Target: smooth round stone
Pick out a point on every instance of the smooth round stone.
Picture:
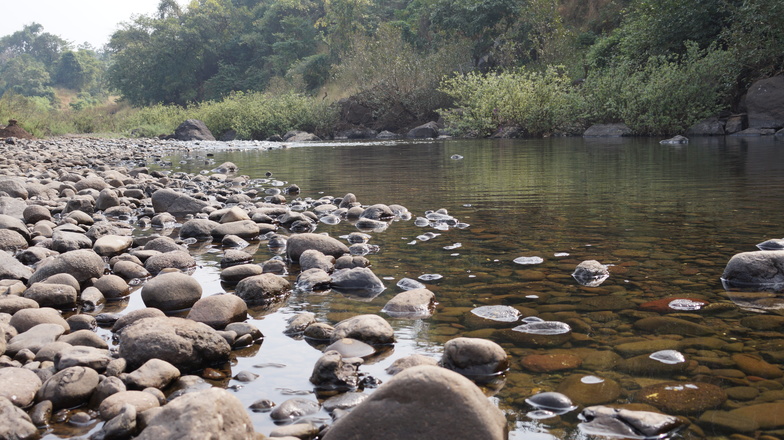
(260, 289)
(171, 291)
(112, 405)
(589, 392)
(528, 260)
(411, 304)
(295, 408)
(109, 245)
(409, 361)
(235, 274)
(81, 356)
(684, 398)
(13, 304)
(319, 331)
(371, 329)
(648, 366)
(547, 363)
(155, 373)
(299, 322)
(34, 338)
(351, 348)
(670, 305)
(69, 387)
(766, 415)
(344, 401)
(218, 311)
(496, 316)
(175, 259)
(58, 296)
(475, 358)
(87, 338)
(19, 385)
(552, 401)
(756, 366)
(112, 287)
(234, 257)
(16, 424)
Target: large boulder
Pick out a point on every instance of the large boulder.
(207, 414)
(264, 288)
(186, 344)
(755, 269)
(371, 329)
(69, 387)
(19, 385)
(193, 130)
(299, 243)
(218, 311)
(83, 264)
(15, 423)
(425, 131)
(358, 281)
(765, 103)
(176, 203)
(423, 402)
(712, 126)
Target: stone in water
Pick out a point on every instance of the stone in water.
(497, 313)
(529, 260)
(670, 357)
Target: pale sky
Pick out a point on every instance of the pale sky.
(76, 21)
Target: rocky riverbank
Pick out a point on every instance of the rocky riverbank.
(69, 212)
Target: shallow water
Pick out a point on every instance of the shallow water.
(666, 219)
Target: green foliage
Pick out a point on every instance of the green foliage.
(80, 70)
(538, 102)
(385, 71)
(24, 75)
(259, 115)
(664, 96)
(755, 36)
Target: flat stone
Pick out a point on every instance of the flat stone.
(19, 385)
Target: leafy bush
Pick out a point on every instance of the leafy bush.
(538, 102)
(258, 115)
(666, 95)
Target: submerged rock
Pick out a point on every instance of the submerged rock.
(477, 359)
(616, 422)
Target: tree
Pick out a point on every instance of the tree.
(24, 75)
(31, 40)
(78, 70)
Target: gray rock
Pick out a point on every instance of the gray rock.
(429, 130)
(108, 386)
(409, 361)
(134, 316)
(109, 245)
(91, 298)
(411, 405)
(83, 356)
(163, 244)
(70, 387)
(181, 260)
(176, 203)
(755, 269)
(299, 243)
(765, 103)
(64, 241)
(81, 321)
(379, 211)
(235, 274)
(107, 198)
(19, 385)
(15, 424)
(675, 140)
(295, 408)
(193, 130)
(171, 291)
(299, 322)
(212, 413)
(34, 338)
(614, 422)
(608, 130)
(155, 373)
(200, 229)
(11, 241)
(112, 287)
(12, 206)
(590, 273)
(25, 319)
(313, 279)
(13, 269)
(49, 352)
(334, 373)
(113, 404)
(359, 281)
(314, 259)
(12, 304)
(14, 223)
(218, 311)
(58, 296)
(83, 264)
(87, 338)
(707, 127)
(477, 359)
(411, 304)
(262, 288)
(129, 270)
(371, 329)
(186, 344)
(234, 257)
(121, 426)
(14, 187)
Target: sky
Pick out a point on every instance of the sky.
(76, 21)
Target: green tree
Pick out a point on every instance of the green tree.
(80, 70)
(34, 42)
(24, 75)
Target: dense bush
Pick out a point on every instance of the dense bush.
(665, 95)
(538, 102)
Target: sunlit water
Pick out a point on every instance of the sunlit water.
(666, 219)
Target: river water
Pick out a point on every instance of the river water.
(664, 218)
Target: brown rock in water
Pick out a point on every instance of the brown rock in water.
(546, 363)
(684, 398)
(756, 366)
(589, 390)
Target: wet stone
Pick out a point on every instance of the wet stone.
(546, 363)
(587, 390)
(294, 408)
(682, 397)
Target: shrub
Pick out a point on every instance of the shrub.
(666, 95)
(538, 102)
